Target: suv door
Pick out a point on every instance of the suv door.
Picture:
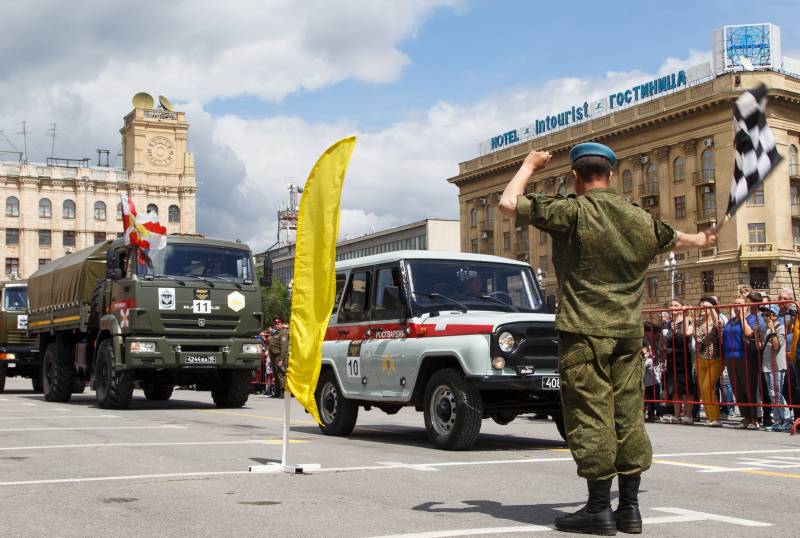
(352, 323)
(386, 339)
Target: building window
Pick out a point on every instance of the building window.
(678, 170)
(543, 263)
(652, 174)
(69, 238)
(174, 214)
(99, 237)
(757, 198)
(12, 266)
(680, 207)
(506, 241)
(45, 238)
(796, 232)
(707, 164)
(490, 244)
(709, 201)
(153, 208)
(652, 287)
(474, 246)
(68, 209)
(12, 207)
(759, 278)
(12, 236)
(680, 284)
(757, 232)
(119, 211)
(45, 208)
(489, 216)
(707, 277)
(627, 181)
(793, 164)
(473, 217)
(99, 211)
(522, 239)
(43, 262)
(542, 237)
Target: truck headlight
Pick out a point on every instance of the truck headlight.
(143, 347)
(506, 342)
(251, 348)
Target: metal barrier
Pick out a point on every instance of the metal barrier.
(693, 349)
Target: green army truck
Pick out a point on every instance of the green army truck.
(18, 353)
(187, 316)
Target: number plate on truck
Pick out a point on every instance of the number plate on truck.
(551, 383)
(199, 359)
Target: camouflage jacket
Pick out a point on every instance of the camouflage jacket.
(602, 245)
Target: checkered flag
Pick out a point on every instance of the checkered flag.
(754, 146)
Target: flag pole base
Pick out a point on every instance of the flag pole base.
(294, 468)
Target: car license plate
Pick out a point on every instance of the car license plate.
(525, 370)
(551, 383)
(199, 359)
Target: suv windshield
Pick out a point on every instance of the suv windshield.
(200, 261)
(439, 284)
(15, 299)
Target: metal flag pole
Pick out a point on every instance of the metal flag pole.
(287, 420)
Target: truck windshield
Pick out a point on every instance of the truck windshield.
(200, 261)
(15, 299)
(436, 284)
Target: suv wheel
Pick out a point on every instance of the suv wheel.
(36, 380)
(58, 373)
(337, 413)
(114, 390)
(232, 388)
(453, 410)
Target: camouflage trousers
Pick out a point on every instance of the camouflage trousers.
(602, 386)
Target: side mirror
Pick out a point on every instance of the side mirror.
(266, 278)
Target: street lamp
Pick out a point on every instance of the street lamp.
(669, 268)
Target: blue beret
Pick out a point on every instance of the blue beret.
(591, 148)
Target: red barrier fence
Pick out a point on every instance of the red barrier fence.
(729, 356)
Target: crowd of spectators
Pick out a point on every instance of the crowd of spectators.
(739, 359)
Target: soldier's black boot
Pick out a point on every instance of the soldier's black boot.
(627, 514)
(594, 518)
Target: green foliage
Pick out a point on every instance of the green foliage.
(275, 302)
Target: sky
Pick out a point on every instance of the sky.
(268, 85)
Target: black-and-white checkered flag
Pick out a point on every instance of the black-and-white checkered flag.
(754, 146)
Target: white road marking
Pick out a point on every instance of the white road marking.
(111, 445)
(113, 478)
(726, 453)
(164, 427)
(58, 417)
(772, 463)
(680, 516)
(398, 465)
(25, 404)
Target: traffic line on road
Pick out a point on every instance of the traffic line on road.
(680, 515)
(163, 427)
(145, 445)
(58, 417)
(718, 469)
(116, 478)
(250, 415)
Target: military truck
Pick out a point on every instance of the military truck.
(187, 315)
(18, 353)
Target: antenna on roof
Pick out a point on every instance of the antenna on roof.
(51, 132)
(24, 133)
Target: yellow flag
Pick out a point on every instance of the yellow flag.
(314, 284)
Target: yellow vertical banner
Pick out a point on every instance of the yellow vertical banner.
(314, 281)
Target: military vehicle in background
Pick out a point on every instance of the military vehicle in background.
(18, 353)
(187, 316)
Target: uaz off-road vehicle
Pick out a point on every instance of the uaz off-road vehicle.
(18, 353)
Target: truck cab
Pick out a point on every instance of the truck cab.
(460, 337)
(18, 353)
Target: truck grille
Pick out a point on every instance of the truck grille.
(213, 323)
(538, 349)
(16, 337)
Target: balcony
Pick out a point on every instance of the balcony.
(649, 188)
(703, 177)
(794, 171)
(707, 253)
(758, 250)
(706, 214)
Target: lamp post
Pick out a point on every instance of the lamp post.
(669, 268)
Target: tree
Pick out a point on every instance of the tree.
(275, 302)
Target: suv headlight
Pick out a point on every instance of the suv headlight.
(143, 347)
(251, 348)
(506, 342)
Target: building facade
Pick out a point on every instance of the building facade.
(56, 208)
(430, 234)
(676, 161)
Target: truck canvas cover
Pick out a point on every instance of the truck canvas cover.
(68, 280)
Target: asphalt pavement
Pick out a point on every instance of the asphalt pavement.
(182, 468)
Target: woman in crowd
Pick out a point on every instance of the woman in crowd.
(678, 333)
(774, 367)
(709, 361)
(737, 334)
(652, 371)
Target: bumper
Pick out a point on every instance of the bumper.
(174, 353)
(539, 383)
(19, 360)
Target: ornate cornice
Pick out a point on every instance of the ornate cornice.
(662, 153)
(690, 146)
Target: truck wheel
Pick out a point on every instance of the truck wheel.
(58, 374)
(232, 389)
(79, 386)
(157, 392)
(36, 381)
(2, 378)
(562, 430)
(114, 390)
(338, 414)
(453, 410)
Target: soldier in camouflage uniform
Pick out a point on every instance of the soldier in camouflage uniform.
(279, 355)
(602, 246)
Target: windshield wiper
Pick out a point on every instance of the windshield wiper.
(434, 295)
(498, 301)
(227, 280)
(169, 277)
